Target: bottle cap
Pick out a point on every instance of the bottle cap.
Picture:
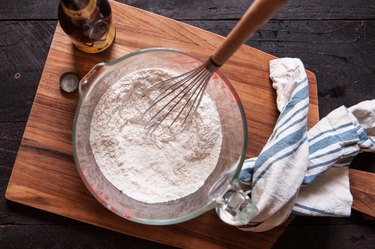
(69, 82)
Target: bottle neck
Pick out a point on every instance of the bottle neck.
(78, 9)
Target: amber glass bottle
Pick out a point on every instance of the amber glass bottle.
(88, 23)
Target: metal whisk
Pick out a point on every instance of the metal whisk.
(181, 95)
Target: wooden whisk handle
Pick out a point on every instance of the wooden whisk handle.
(257, 14)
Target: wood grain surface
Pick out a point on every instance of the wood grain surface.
(44, 175)
(210, 10)
(362, 187)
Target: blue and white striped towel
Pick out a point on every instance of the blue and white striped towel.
(300, 170)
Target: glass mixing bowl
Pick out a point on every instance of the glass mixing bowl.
(221, 189)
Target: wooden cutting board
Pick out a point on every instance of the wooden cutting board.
(44, 175)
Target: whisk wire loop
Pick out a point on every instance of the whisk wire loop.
(198, 87)
(180, 96)
(199, 98)
(171, 88)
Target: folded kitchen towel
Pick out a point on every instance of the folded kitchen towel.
(305, 171)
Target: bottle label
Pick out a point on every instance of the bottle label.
(100, 45)
(82, 13)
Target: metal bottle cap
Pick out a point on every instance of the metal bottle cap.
(69, 82)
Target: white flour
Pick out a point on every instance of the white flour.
(142, 166)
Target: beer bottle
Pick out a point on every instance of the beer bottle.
(88, 23)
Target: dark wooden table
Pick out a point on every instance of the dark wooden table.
(334, 38)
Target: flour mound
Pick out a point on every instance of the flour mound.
(141, 165)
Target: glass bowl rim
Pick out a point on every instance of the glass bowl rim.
(183, 218)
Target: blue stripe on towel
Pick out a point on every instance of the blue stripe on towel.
(285, 142)
(321, 164)
(371, 145)
(319, 211)
(325, 154)
(278, 159)
(345, 160)
(329, 131)
(298, 97)
(363, 137)
(289, 126)
(246, 175)
(325, 142)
